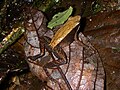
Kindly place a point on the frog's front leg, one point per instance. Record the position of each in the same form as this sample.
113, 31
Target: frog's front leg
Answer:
42, 50
56, 53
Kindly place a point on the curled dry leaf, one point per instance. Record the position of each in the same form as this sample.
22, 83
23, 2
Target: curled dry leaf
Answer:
83, 71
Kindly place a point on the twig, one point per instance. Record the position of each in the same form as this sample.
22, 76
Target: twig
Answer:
11, 38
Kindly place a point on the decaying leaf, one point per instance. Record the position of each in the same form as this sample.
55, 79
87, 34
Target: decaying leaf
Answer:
83, 71
60, 18
65, 30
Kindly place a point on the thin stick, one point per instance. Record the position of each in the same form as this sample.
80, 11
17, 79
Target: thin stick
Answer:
81, 73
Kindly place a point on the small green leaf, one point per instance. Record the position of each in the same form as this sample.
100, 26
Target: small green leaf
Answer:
60, 18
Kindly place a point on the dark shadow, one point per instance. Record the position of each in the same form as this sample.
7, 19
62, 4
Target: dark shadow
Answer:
82, 24
5, 83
